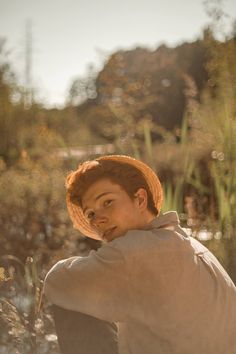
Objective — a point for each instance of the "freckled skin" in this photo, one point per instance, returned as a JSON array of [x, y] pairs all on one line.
[[111, 211]]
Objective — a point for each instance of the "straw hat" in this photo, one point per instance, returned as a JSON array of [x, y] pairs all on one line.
[[76, 213]]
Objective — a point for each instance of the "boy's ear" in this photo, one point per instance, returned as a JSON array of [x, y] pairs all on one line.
[[141, 196]]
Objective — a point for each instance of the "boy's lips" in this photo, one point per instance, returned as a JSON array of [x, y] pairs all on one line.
[[106, 235]]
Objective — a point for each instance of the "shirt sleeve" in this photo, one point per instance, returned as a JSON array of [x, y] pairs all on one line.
[[96, 285]]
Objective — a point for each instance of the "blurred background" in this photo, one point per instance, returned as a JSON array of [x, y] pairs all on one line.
[[82, 79]]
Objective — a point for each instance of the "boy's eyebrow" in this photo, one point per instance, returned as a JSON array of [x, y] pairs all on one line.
[[101, 195], [97, 197]]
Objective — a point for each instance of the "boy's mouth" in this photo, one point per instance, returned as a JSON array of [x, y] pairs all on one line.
[[108, 233]]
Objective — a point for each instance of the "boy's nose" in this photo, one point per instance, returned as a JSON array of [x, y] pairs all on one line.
[[99, 220]]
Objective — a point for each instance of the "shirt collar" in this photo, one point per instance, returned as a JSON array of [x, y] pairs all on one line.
[[168, 219]]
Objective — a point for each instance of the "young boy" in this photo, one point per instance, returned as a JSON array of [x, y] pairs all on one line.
[[165, 291]]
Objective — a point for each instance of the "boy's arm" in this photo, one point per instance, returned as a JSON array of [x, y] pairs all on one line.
[[96, 285]]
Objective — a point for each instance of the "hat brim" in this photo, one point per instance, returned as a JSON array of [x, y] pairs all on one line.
[[76, 213]]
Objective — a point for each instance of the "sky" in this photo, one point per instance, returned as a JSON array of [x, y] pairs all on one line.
[[70, 35]]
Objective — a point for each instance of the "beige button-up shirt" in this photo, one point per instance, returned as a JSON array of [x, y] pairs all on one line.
[[166, 291]]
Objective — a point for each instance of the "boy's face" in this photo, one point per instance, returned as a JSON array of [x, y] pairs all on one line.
[[111, 211]]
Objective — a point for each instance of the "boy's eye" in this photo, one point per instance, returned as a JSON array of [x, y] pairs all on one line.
[[89, 215], [107, 202]]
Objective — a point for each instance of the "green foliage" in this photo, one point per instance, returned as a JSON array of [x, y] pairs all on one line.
[[33, 212], [218, 123], [139, 83], [174, 195], [83, 88]]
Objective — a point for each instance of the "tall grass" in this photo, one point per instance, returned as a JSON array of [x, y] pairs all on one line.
[[217, 117], [174, 193]]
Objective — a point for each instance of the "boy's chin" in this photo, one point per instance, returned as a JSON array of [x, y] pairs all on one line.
[[113, 235]]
